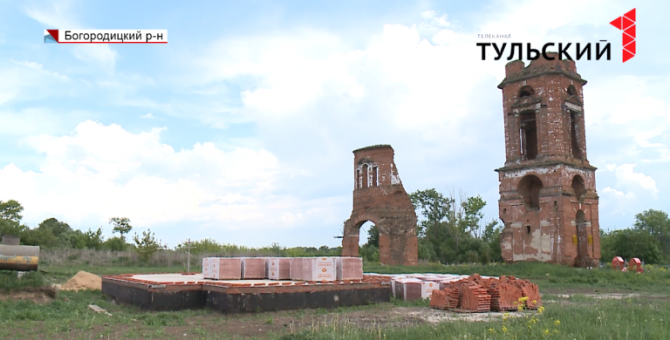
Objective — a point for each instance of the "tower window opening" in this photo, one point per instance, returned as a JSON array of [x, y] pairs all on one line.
[[576, 150], [571, 90], [365, 176], [528, 229], [529, 189], [526, 91], [358, 179], [375, 174], [528, 136], [578, 187]]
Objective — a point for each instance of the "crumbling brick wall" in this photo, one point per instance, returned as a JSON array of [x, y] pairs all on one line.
[[548, 200], [379, 197]]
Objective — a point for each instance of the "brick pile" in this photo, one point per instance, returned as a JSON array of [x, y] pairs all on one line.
[[473, 297], [504, 294], [446, 298], [531, 291], [481, 294]]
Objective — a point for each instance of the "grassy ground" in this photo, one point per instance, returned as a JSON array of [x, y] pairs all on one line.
[[552, 277], [579, 316]]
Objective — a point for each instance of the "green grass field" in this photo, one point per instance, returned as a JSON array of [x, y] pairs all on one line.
[[578, 304]]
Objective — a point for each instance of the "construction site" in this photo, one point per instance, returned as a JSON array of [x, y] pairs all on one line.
[[548, 205]]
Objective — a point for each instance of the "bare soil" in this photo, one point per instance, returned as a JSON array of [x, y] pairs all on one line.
[[39, 295]]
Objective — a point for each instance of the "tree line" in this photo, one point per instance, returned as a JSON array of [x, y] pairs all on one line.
[[448, 231], [52, 233]]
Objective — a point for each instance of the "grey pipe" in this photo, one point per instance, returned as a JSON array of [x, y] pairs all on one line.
[[23, 258]]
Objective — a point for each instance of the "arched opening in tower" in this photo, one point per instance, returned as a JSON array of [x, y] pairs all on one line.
[[578, 187], [529, 189], [576, 150], [528, 134]]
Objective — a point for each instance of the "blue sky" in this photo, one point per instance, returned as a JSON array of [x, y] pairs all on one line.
[[241, 128]]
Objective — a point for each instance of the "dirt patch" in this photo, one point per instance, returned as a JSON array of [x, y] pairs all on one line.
[[39, 295], [82, 281], [431, 315]]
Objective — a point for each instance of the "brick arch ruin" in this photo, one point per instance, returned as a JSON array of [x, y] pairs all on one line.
[[380, 198]]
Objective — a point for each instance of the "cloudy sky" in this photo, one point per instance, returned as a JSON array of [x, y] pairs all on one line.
[[242, 127]]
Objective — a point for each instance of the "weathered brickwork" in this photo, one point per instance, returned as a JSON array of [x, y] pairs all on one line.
[[548, 199], [379, 197]]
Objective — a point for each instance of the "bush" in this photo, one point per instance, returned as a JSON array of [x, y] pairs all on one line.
[[117, 243]]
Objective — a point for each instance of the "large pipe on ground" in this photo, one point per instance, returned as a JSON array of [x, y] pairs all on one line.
[[16, 257]]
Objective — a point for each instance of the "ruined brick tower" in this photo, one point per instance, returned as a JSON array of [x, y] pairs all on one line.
[[379, 197], [548, 200]]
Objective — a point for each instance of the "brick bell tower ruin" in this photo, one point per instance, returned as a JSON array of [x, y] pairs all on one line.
[[548, 201], [380, 197]]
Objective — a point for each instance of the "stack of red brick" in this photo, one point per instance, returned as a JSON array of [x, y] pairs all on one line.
[[477, 294]]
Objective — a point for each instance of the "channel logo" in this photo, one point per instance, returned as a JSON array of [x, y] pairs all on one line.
[[626, 23]]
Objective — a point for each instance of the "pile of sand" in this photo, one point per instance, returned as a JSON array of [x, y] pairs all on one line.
[[83, 280]]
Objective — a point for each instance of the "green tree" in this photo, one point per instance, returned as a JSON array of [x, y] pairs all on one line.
[[121, 225], [10, 218], [450, 232], [74, 239], [630, 243], [94, 239], [146, 246], [11, 210], [373, 236], [56, 227], [657, 224], [472, 214], [438, 229]]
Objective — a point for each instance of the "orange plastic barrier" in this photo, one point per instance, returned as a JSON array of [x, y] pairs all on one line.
[[635, 265], [618, 263]]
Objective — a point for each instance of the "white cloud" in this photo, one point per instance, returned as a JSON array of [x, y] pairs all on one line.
[[619, 194], [148, 116], [635, 181], [104, 171]]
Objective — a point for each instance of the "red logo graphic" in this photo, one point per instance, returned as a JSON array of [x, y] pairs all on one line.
[[626, 23]]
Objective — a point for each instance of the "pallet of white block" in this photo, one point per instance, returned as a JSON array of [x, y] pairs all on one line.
[[283, 268]]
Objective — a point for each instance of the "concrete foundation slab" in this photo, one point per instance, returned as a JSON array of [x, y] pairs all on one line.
[[177, 291]]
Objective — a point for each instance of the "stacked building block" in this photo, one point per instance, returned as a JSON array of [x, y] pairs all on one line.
[[296, 269], [349, 268], [428, 287], [318, 269], [408, 289], [206, 268], [254, 268], [225, 268], [279, 268]]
